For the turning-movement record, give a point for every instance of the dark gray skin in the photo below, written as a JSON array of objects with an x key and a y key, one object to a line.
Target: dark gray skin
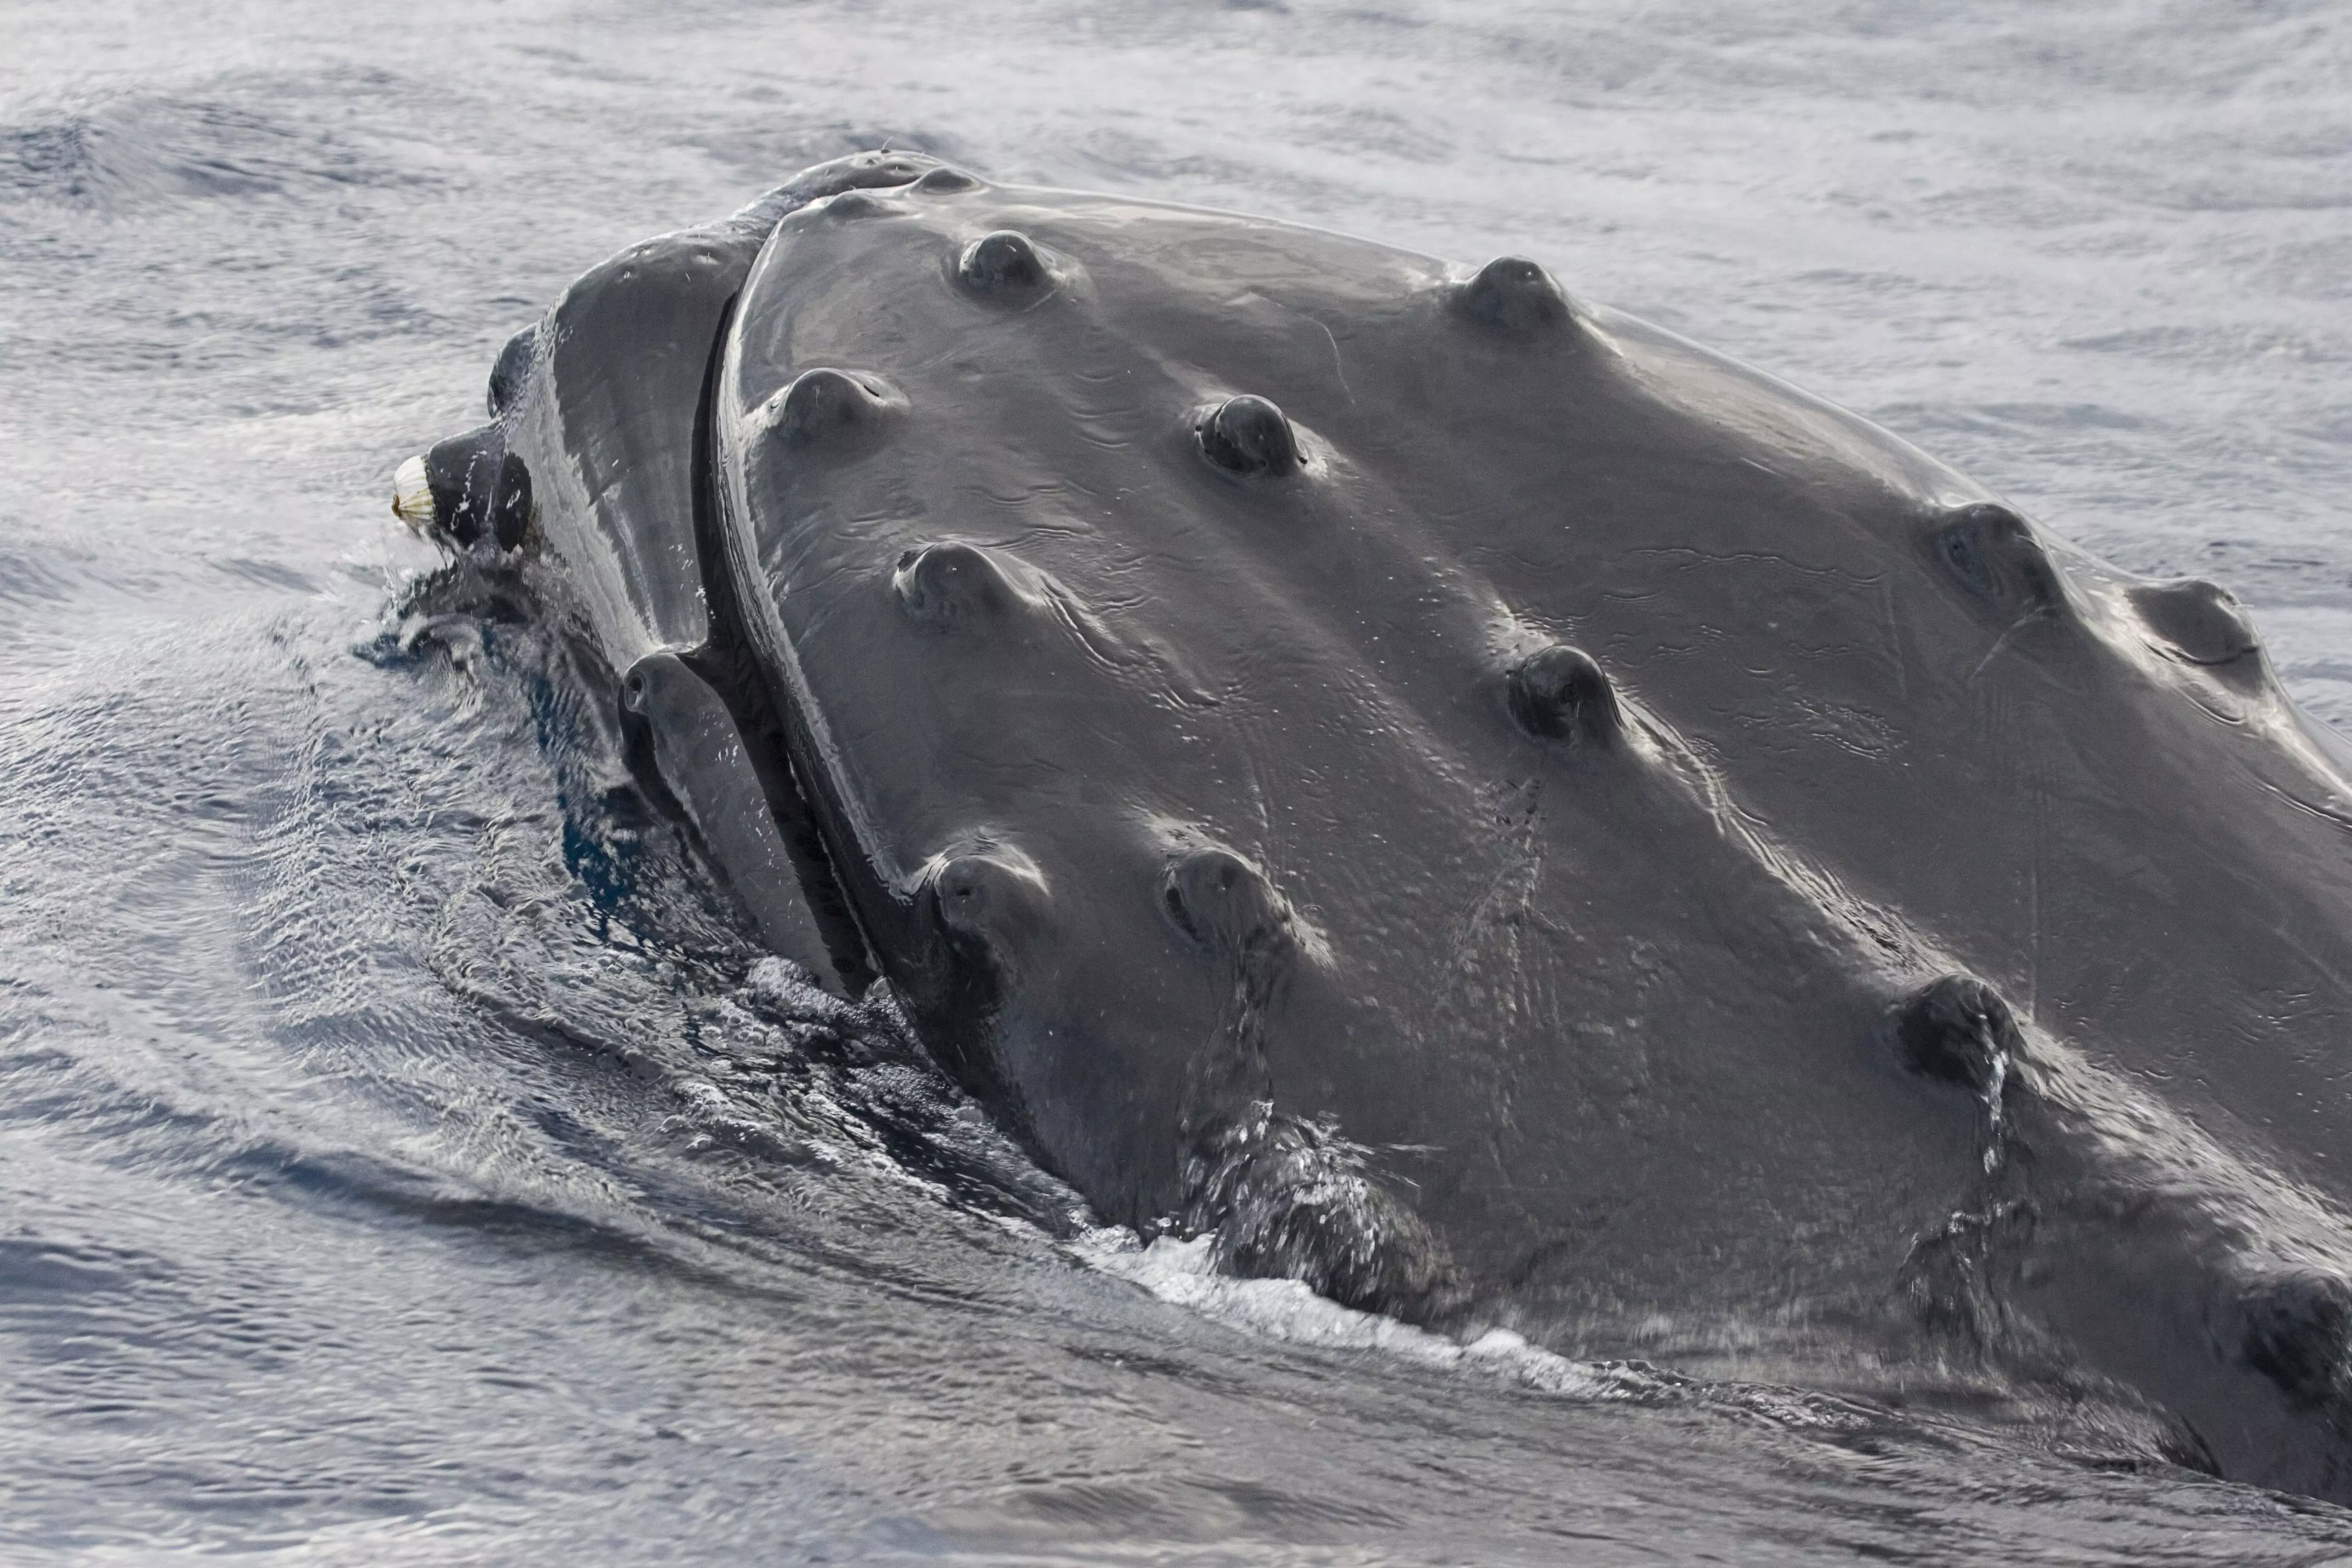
[
  {"x": 1249, "y": 691},
  {"x": 691, "y": 750}
]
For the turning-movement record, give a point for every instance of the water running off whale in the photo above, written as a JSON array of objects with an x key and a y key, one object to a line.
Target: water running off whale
[{"x": 1453, "y": 795}]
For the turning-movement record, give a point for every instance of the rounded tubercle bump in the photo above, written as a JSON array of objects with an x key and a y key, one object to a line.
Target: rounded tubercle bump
[
  {"x": 858, "y": 171},
  {"x": 845, "y": 206},
  {"x": 1220, "y": 899},
  {"x": 825, "y": 402},
  {"x": 1248, "y": 434},
  {"x": 951, "y": 582},
  {"x": 1959, "y": 1030},
  {"x": 2199, "y": 622},
  {"x": 987, "y": 895},
  {"x": 946, "y": 180},
  {"x": 1560, "y": 693},
  {"x": 1992, "y": 554},
  {"x": 1003, "y": 262},
  {"x": 512, "y": 374},
  {"x": 1513, "y": 294}
]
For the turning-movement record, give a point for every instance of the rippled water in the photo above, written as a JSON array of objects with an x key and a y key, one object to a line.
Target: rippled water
[{"x": 402, "y": 1158}]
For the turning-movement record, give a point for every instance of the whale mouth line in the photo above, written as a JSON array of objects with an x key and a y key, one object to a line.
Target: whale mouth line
[{"x": 726, "y": 662}]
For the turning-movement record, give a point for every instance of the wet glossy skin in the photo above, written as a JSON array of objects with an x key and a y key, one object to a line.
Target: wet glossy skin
[{"x": 1225, "y": 662}]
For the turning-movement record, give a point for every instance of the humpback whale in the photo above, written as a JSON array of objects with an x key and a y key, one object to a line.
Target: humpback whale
[{"x": 1470, "y": 800}]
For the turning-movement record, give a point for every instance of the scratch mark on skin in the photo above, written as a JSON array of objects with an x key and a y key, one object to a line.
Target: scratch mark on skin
[
  {"x": 1337, "y": 369},
  {"x": 2335, "y": 818},
  {"x": 2001, "y": 642}
]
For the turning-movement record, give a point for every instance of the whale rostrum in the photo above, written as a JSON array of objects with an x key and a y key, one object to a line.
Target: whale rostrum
[{"x": 1470, "y": 799}]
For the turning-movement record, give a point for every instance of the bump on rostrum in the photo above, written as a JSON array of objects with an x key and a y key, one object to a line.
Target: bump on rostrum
[
  {"x": 1559, "y": 693},
  {"x": 825, "y": 402},
  {"x": 1222, "y": 901},
  {"x": 859, "y": 171},
  {"x": 2199, "y": 622},
  {"x": 985, "y": 895},
  {"x": 1992, "y": 555},
  {"x": 1248, "y": 434},
  {"x": 2297, "y": 1333},
  {"x": 1959, "y": 1030},
  {"x": 478, "y": 491},
  {"x": 945, "y": 180},
  {"x": 1512, "y": 294},
  {"x": 512, "y": 371},
  {"x": 851, "y": 204},
  {"x": 949, "y": 584},
  {"x": 1003, "y": 262}
]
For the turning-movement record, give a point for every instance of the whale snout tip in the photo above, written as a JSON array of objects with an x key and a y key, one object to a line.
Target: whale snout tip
[
  {"x": 467, "y": 493},
  {"x": 411, "y": 496}
]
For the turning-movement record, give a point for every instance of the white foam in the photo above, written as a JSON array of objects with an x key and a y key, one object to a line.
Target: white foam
[{"x": 1285, "y": 1310}]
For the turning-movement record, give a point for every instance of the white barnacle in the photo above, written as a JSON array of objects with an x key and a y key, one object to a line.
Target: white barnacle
[{"x": 411, "y": 496}]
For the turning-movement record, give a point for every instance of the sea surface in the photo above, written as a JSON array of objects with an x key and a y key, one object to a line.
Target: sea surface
[{"x": 405, "y": 1159}]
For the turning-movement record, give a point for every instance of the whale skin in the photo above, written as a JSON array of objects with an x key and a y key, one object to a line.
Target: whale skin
[{"x": 1471, "y": 800}]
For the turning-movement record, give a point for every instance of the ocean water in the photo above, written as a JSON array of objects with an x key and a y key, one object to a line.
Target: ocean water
[{"x": 404, "y": 1158}]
